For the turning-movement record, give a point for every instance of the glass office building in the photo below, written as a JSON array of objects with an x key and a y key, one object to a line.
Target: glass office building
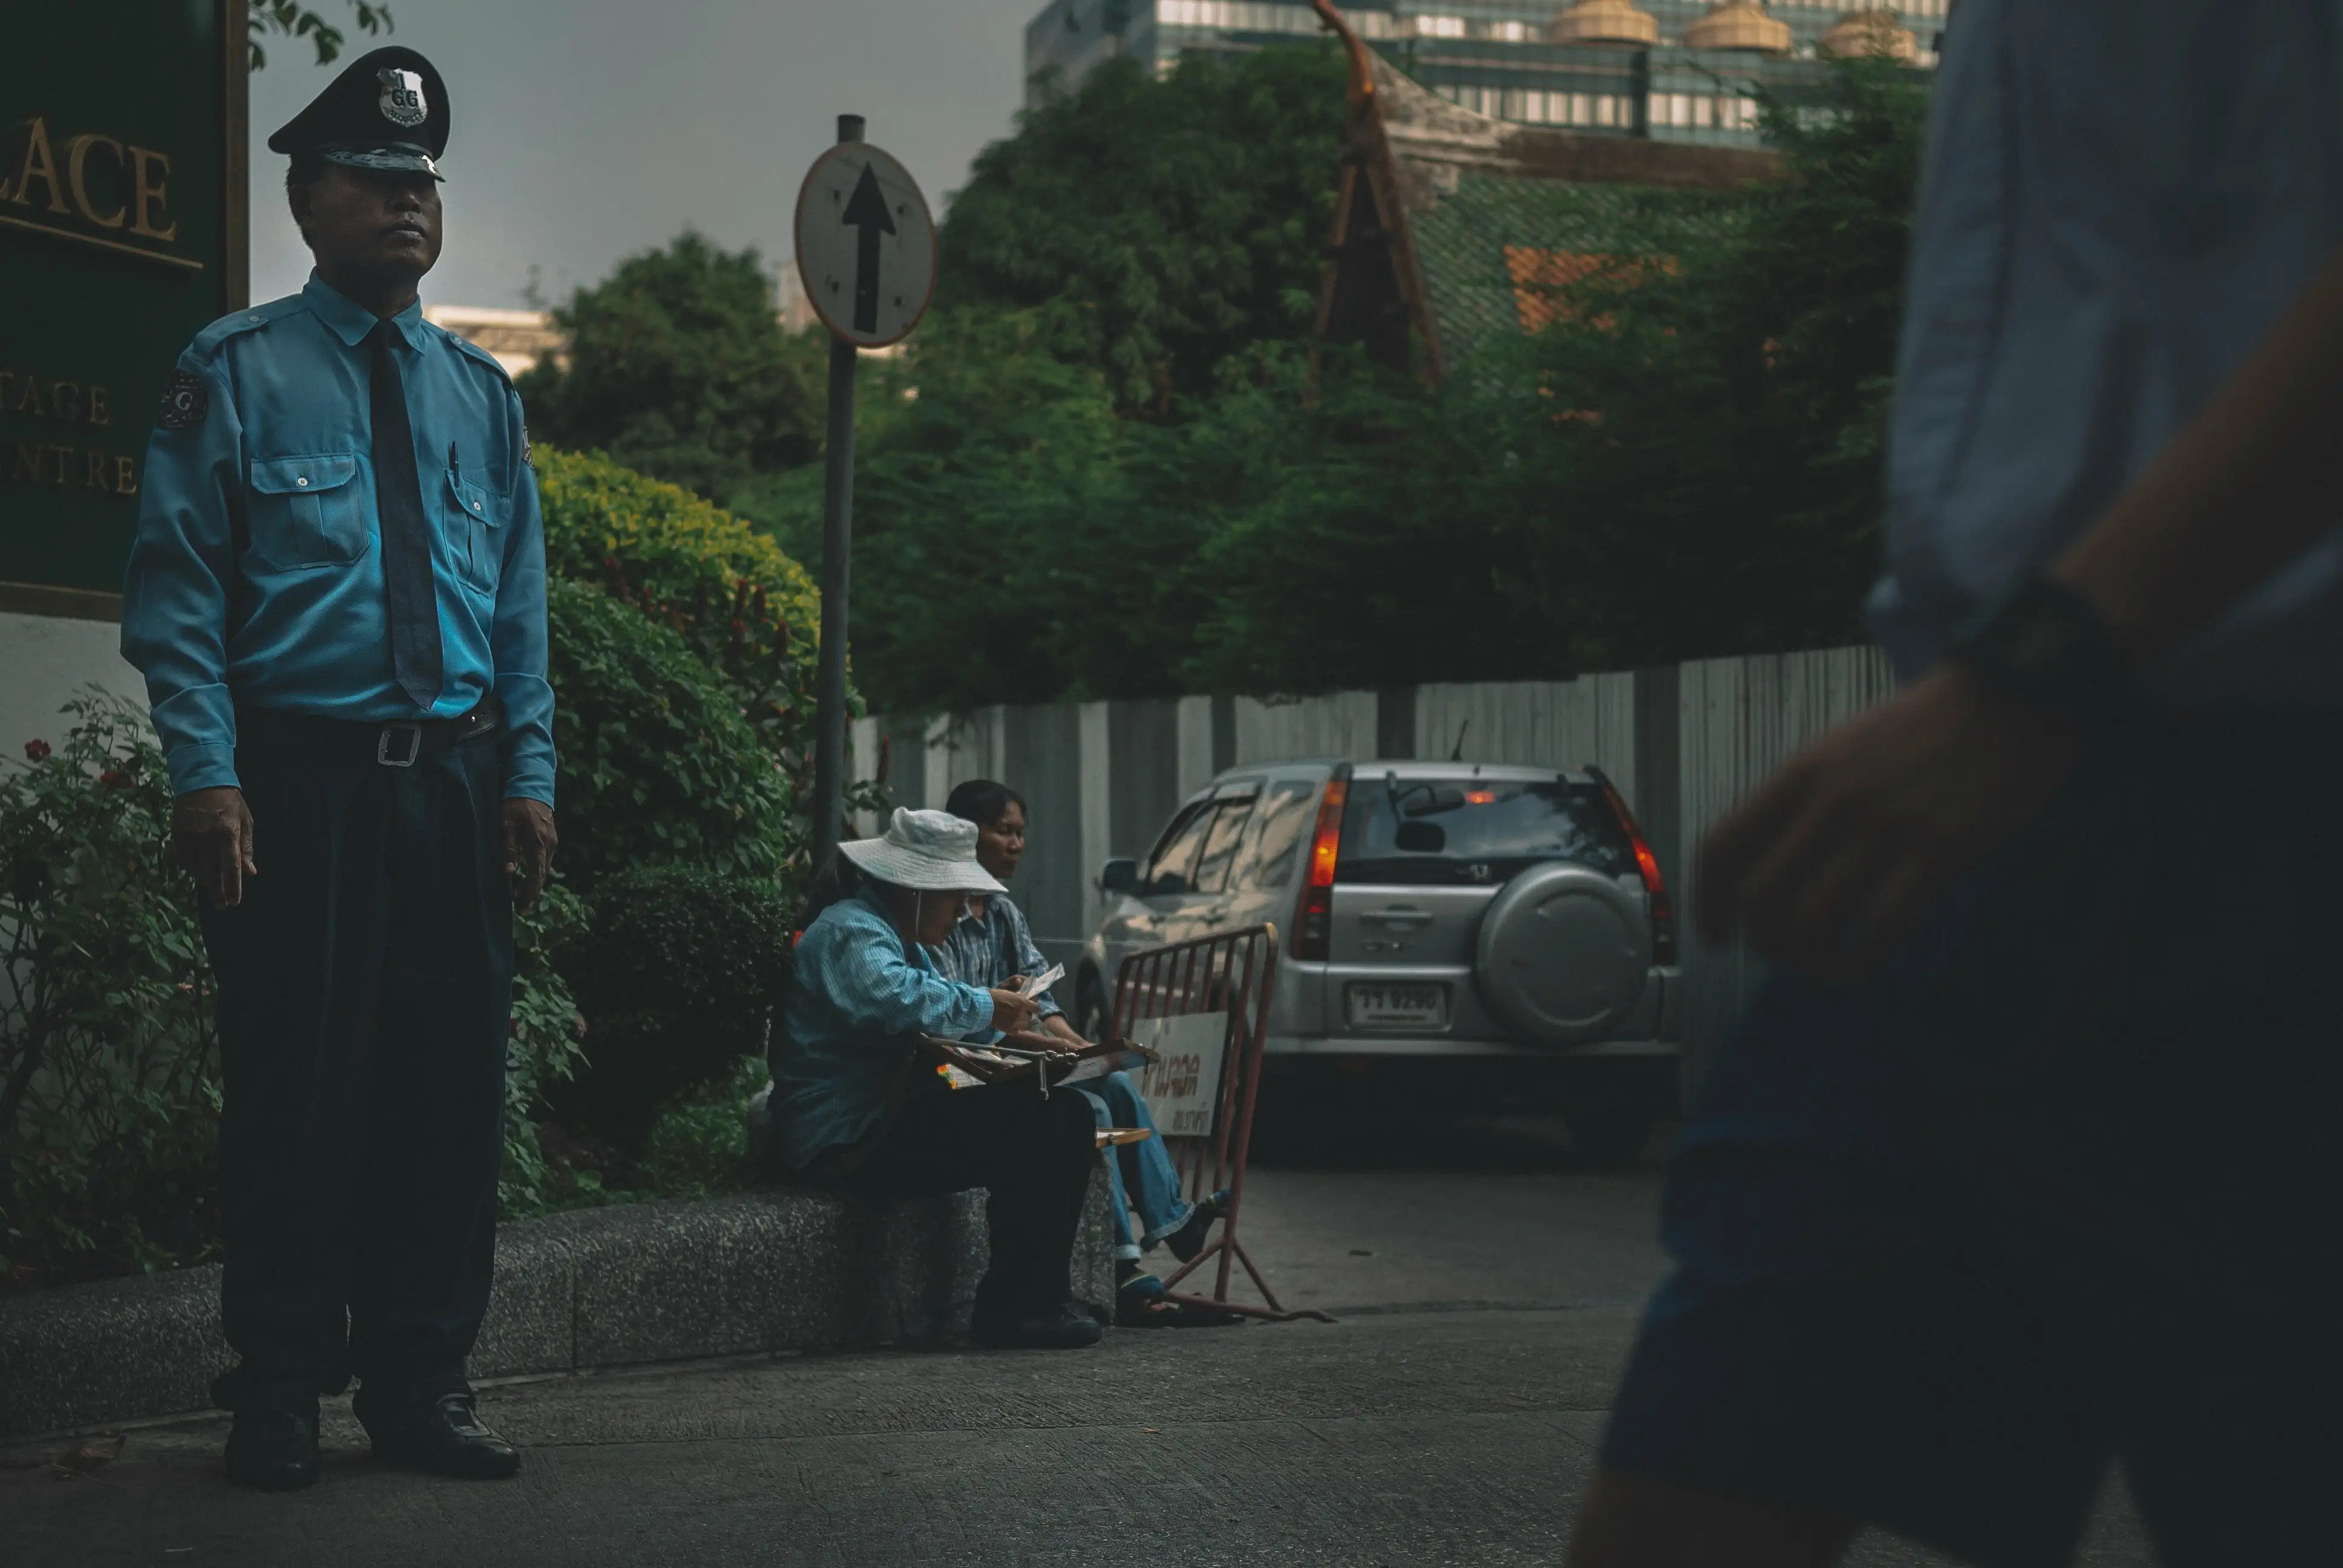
[{"x": 1503, "y": 59}]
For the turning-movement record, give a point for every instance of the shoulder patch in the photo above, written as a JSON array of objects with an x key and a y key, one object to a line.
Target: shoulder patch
[{"x": 186, "y": 401}]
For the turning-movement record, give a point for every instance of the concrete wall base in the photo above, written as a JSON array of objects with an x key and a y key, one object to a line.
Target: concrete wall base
[{"x": 782, "y": 1269}]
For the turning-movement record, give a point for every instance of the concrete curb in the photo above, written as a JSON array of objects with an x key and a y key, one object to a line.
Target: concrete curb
[{"x": 778, "y": 1269}]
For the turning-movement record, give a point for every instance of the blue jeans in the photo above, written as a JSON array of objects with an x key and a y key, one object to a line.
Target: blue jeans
[{"x": 1143, "y": 1168}]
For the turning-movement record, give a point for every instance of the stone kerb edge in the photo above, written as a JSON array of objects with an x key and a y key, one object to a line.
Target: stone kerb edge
[{"x": 768, "y": 1270}]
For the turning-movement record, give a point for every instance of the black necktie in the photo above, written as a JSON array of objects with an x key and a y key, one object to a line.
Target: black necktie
[{"x": 406, "y": 531}]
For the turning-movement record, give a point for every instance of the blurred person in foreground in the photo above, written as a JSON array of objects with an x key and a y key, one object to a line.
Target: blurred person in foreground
[
  {"x": 854, "y": 1107},
  {"x": 336, "y": 595},
  {"x": 2020, "y": 1165},
  {"x": 992, "y": 946}
]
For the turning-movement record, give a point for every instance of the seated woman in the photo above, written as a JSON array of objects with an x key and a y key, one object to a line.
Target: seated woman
[
  {"x": 992, "y": 946},
  {"x": 854, "y": 1107}
]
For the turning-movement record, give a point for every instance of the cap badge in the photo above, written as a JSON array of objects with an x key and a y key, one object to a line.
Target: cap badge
[{"x": 402, "y": 97}]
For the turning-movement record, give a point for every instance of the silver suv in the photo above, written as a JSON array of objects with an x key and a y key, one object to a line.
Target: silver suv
[{"x": 1471, "y": 937}]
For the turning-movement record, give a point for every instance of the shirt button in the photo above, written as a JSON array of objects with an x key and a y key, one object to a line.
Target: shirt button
[
  {"x": 255, "y": 317},
  {"x": 302, "y": 480},
  {"x": 476, "y": 506}
]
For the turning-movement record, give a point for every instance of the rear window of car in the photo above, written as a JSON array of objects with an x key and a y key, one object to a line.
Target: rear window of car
[{"x": 1467, "y": 829}]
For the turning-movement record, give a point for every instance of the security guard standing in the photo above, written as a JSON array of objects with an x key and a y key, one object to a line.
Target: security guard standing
[{"x": 337, "y": 597}]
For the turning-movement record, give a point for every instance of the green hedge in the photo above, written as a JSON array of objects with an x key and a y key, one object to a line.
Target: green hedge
[
  {"x": 656, "y": 762},
  {"x": 745, "y": 609},
  {"x": 109, "y": 1060}
]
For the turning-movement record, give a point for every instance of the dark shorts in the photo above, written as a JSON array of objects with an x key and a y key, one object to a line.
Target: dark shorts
[
  {"x": 1973, "y": 1396},
  {"x": 2057, "y": 1187}
]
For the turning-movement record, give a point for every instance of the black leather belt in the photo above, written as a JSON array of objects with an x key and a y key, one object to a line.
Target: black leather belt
[{"x": 307, "y": 737}]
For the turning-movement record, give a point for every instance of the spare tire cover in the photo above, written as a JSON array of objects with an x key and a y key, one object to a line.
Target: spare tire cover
[{"x": 1565, "y": 953}]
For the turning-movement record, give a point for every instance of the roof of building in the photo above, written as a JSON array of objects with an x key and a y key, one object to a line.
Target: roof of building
[{"x": 1455, "y": 226}]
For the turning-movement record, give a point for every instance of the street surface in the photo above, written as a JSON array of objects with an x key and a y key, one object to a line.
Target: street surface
[{"x": 1487, "y": 1292}]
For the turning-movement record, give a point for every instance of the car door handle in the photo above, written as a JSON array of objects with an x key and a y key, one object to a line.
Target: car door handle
[{"x": 1396, "y": 917}]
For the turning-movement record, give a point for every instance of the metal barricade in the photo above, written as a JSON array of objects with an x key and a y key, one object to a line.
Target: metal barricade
[{"x": 1232, "y": 972}]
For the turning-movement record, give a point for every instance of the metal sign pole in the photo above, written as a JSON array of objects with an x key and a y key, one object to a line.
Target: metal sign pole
[{"x": 837, "y": 541}]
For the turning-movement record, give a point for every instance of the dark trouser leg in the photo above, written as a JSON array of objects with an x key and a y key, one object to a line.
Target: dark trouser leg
[
  {"x": 299, "y": 975},
  {"x": 424, "y": 1216},
  {"x": 303, "y": 965},
  {"x": 1033, "y": 1158}
]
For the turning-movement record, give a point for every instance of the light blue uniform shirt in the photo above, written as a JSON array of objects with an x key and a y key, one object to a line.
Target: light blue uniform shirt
[
  {"x": 2118, "y": 203},
  {"x": 257, "y": 576},
  {"x": 856, "y": 1000}
]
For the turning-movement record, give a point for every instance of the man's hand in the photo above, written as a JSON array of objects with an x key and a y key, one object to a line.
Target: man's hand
[
  {"x": 212, "y": 830},
  {"x": 529, "y": 843},
  {"x": 1010, "y": 1012},
  {"x": 1838, "y": 856}
]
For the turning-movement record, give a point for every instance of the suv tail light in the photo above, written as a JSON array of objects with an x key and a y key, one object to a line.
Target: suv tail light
[
  {"x": 1663, "y": 915},
  {"x": 1313, "y": 920}
]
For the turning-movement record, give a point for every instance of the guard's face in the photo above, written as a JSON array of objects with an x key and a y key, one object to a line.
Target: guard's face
[{"x": 371, "y": 223}]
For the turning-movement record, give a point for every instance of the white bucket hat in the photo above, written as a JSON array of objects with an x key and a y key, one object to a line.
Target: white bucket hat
[{"x": 929, "y": 851}]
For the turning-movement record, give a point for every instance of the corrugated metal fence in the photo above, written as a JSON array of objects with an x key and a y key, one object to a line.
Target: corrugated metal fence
[{"x": 1683, "y": 742}]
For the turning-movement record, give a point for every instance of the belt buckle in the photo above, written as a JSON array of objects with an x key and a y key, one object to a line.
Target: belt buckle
[{"x": 414, "y": 745}]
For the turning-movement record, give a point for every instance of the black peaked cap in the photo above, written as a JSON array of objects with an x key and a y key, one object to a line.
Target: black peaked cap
[{"x": 387, "y": 110}]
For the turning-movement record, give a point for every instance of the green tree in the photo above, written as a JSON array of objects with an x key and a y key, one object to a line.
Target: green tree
[
  {"x": 293, "y": 20},
  {"x": 678, "y": 367},
  {"x": 1154, "y": 227},
  {"x": 1697, "y": 448}
]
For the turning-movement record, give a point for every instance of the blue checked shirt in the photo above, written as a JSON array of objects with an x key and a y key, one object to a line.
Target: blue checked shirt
[
  {"x": 255, "y": 580},
  {"x": 986, "y": 950},
  {"x": 856, "y": 999}
]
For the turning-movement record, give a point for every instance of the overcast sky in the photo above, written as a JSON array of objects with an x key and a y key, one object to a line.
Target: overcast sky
[{"x": 585, "y": 130}]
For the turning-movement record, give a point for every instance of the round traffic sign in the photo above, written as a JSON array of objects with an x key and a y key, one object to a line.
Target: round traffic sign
[{"x": 866, "y": 246}]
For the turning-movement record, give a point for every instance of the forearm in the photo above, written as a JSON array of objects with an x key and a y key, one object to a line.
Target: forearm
[{"x": 2242, "y": 489}]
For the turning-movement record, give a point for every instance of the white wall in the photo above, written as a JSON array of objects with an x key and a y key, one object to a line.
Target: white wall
[{"x": 46, "y": 659}]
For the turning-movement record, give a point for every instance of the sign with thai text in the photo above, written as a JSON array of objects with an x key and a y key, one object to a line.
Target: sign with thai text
[
  {"x": 1183, "y": 1085},
  {"x": 122, "y": 233}
]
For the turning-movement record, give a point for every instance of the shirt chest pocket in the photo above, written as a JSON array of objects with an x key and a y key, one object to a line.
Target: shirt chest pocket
[
  {"x": 476, "y": 531},
  {"x": 307, "y": 512}
]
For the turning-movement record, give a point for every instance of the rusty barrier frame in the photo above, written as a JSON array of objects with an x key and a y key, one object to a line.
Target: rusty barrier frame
[{"x": 1235, "y": 971}]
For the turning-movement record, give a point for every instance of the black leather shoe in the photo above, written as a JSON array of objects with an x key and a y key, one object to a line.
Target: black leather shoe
[
  {"x": 1063, "y": 1329},
  {"x": 274, "y": 1450},
  {"x": 443, "y": 1435}
]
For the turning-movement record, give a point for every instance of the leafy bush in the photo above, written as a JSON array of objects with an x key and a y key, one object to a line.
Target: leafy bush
[
  {"x": 655, "y": 763},
  {"x": 109, "y": 1060},
  {"x": 677, "y": 974},
  {"x": 742, "y": 607}
]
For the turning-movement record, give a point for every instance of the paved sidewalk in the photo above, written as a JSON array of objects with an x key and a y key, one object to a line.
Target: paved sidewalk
[
  {"x": 1402, "y": 1439},
  {"x": 1399, "y": 1436}
]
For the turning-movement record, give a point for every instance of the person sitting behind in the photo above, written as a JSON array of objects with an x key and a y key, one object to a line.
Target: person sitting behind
[
  {"x": 854, "y": 1108},
  {"x": 991, "y": 945}
]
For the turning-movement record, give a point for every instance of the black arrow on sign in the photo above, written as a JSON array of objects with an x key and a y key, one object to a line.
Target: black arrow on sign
[{"x": 866, "y": 209}]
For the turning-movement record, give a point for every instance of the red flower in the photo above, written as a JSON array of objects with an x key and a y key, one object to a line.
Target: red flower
[
  {"x": 38, "y": 750},
  {"x": 111, "y": 779}
]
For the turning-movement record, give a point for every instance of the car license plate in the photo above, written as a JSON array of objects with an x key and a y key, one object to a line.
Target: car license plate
[{"x": 1397, "y": 1006}]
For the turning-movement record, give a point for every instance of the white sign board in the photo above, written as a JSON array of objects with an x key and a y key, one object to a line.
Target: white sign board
[
  {"x": 866, "y": 246},
  {"x": 1183, "y": 1086}
]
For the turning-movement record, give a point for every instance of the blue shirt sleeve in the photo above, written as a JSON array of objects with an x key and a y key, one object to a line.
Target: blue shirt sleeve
[
  {"x": 175, "y": 593},
  {"x": 518, "y": 641},
  {"x": 1024, "y": 954},
  {"x": 859, "y": 970}
]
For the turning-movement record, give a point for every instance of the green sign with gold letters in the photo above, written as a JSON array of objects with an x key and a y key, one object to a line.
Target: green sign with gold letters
[{"x": 122, "y": 232}]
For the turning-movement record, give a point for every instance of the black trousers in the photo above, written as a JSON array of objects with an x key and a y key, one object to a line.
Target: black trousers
[
  {"x": 366, "y": 993},
  {"x": 1032, "y": 1157}
]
